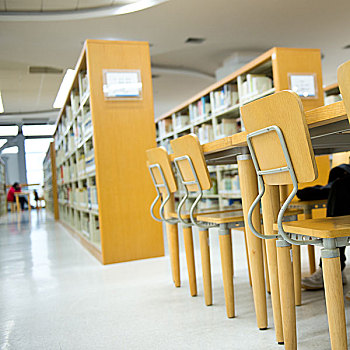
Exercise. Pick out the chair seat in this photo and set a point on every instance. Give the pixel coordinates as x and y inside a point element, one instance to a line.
<point>222,218</point>
<point>186,215</point>
<point>333,227</point>
<point>235,216</point>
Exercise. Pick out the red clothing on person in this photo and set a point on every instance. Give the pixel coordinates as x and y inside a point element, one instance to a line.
<point>11,194</point>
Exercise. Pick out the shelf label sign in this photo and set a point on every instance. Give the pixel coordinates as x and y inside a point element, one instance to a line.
<point>303,84</point>
<point>122,84</point>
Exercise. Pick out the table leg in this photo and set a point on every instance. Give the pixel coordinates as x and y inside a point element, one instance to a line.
<point>249,191</point>
<point>334,298</point>
<point>29,206</point>
<point>18,205</point>
<point>270,209</point>
<point>310,248</point>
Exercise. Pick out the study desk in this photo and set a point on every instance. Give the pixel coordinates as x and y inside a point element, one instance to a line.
<point>330,133</point>
<point>17,195</point>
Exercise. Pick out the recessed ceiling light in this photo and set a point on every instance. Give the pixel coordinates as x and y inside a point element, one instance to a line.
<point>346,47</point>
<point>64,88</point>
<point>191,40</point>
<point>44,70</point>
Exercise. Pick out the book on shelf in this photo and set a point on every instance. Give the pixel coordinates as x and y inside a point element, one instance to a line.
<point>254,85</point>
<point>225,97</point>
<point>200,109</point>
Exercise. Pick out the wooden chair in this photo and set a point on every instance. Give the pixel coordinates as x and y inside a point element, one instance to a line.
<point>191,166</point>
<point>276,126</point>
<point>165,183</point>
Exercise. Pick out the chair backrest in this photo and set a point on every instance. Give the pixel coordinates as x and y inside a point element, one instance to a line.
<point>159,156</point>
<point>285,110</point>
<point>189,146</point>
<point>343,74</point>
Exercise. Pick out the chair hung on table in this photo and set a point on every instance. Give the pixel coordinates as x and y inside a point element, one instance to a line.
<point>276,126</point>
<point>165,184</point>
<point>190,164</point>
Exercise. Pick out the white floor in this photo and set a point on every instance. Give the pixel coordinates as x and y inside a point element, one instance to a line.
<point>55,295</point>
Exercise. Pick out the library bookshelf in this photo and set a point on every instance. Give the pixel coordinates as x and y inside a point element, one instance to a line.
<point>332,94</point>
<point>104,188</point>
<point>215,112</point>
<point>50,181</point>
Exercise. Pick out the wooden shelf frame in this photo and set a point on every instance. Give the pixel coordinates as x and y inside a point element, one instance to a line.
<point>120,133</point>
<point>277,63</point>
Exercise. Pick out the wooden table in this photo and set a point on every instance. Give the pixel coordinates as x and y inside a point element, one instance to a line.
<point>328,126</point>
<point>17,195</point>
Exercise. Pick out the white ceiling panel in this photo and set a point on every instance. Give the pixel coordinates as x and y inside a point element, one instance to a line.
<point>53,5</point>
<point>23,5</point>
<point>228,27</point>
<point>93,3</point>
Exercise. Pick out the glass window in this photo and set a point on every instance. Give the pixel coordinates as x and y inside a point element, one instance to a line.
<point>8,130</point>
<point>35,153</point>
<point>38,130</point>
<point>10,150</point>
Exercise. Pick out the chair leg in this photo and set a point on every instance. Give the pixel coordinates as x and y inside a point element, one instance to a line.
<point>334,298</point>
<point>270,209</point>
<point>173,243</point>
<point>206,270</point>
<point>247,255</point>
<point>191,267</point>
<point>285,274</point>
<point>311,253</point>
<point>266,267</point>
<point>225,240</point>
<point>297,274</point>
<point>310,248</point>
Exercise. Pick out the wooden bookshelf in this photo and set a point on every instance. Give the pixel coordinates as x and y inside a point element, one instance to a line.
<point>50,181</point>
<point>214,112</point>
<point>332,94</point>
<point>104,188</point>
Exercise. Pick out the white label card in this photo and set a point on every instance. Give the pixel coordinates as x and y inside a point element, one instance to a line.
<point>304,85</point>
<point>122,84</point>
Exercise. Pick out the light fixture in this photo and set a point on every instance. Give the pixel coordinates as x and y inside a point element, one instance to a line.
<point>64,88</point>
<point>78,14</point>
<point>1,105</point>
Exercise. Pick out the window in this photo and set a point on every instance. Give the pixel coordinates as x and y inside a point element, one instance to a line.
<point>35,153</point>
<point>10,150</point>
<point>38,130</point>
<point>8,130</point>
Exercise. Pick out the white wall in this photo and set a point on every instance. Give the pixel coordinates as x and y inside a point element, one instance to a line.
<point>12,171</point>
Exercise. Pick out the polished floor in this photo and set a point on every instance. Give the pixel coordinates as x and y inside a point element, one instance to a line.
<point>55,295</point>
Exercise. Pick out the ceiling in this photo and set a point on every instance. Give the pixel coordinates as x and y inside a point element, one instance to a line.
<point>229,26</point>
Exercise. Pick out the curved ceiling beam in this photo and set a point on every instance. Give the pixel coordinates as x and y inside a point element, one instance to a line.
<point>68,15</point>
